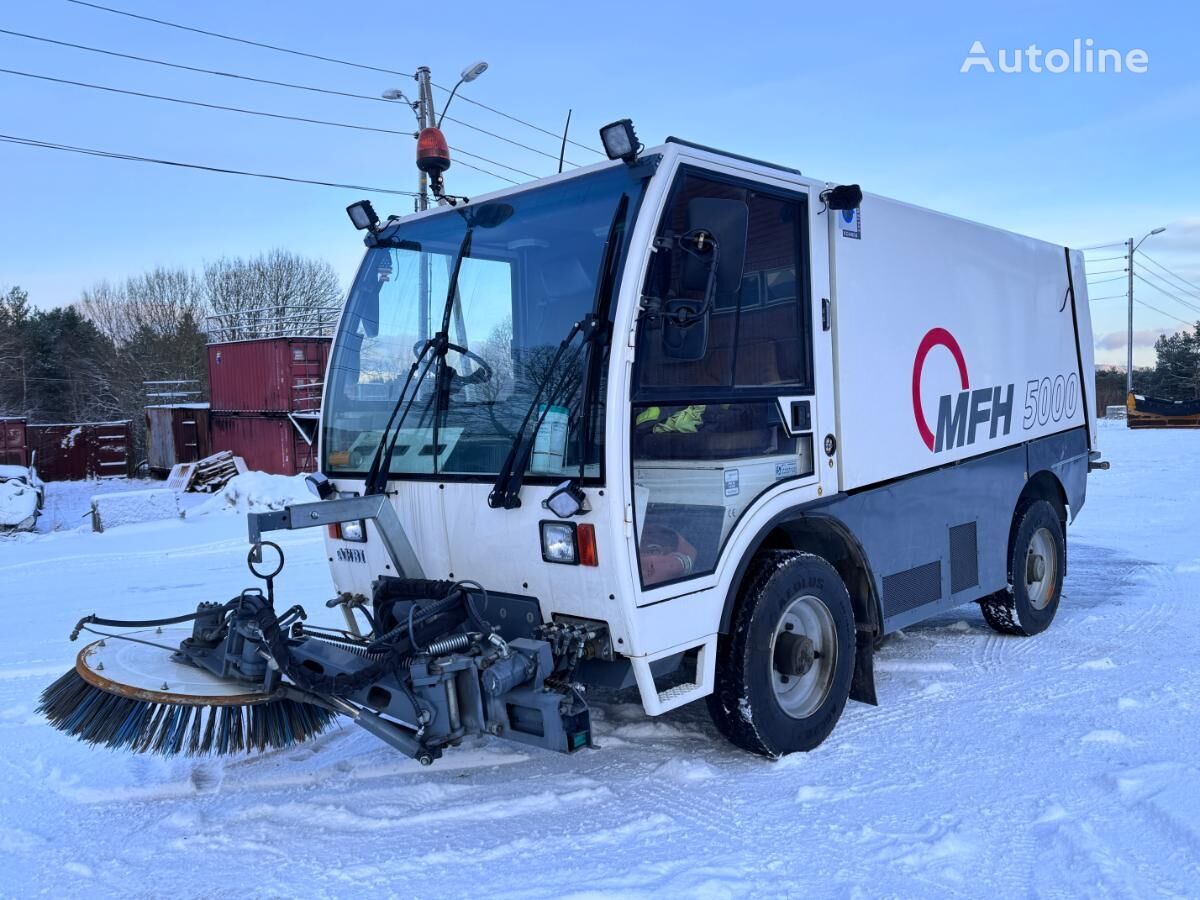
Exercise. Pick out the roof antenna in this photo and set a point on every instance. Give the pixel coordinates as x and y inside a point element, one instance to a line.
<point>563,151</point>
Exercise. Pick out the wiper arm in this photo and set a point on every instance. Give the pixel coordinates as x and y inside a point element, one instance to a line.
<point>442,344</point>
<point>437,344</point>
<point>381,464</point>
<point>505,493</point>
<point>601,304</point>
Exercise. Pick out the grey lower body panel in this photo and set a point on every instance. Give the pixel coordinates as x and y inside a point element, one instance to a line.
<point>940,539</point>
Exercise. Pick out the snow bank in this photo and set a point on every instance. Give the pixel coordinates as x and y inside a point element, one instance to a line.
<point>256,492</point>
<point>18,502</point>
<point>132,507</point>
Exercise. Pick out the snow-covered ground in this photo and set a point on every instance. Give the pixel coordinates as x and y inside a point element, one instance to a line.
<point>1062,765</point>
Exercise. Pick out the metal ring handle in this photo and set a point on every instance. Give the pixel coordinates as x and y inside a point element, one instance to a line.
<point>257,548</point>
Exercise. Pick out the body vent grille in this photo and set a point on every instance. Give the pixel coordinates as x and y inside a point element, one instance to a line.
<point>964,558</point>
<point>912,588</point>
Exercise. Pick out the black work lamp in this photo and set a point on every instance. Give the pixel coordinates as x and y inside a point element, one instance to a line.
<point>362,214</point>
<point>620,141</point>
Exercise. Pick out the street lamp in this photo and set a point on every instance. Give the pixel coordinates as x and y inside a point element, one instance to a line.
<point>1129,348</point>
<point>397,94</point>
<point>470,73</point>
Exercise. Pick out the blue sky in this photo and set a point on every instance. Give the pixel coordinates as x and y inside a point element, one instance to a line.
<point>858,92</point>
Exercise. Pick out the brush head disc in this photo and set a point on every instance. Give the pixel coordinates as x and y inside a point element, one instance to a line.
<point>136,697</point>
<point>140,671</point>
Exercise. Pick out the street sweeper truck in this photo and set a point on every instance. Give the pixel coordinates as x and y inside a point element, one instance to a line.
<point>680,421</point>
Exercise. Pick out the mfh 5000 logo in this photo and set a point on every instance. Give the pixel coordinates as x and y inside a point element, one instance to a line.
<point>971,414</point>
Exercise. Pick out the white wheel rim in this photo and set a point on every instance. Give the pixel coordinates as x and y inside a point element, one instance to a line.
<point>1041,569</point>
<point>801,695</point>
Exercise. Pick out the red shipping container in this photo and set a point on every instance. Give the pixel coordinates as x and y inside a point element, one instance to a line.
<point>12,443</point>
<point>73,452</point>
<point>267,443</point>
<point>176,433</point>
<point>271,375</point>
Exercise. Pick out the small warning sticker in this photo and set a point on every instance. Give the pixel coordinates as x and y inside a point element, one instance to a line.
<point>733,484</point>
<point>851,223</point>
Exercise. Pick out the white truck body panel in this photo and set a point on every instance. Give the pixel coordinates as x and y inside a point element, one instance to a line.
<point>1000,297</point>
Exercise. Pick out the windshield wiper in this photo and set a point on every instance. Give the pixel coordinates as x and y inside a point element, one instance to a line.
<point>437,345</point>
<point>506,492</point>
<point>441,390</point>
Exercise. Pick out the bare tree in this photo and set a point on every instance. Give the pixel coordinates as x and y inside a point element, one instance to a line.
<point>155,302</point>
<point>272,294</point>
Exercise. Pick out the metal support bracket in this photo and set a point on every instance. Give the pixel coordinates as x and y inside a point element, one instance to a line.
<point>376,507</point>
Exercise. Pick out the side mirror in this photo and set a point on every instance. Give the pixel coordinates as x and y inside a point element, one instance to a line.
<point>727,222</point>
<point>368,300</point>
<point>714,258</point>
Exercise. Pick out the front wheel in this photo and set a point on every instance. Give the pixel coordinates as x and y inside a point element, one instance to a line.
<point>1035,574</point>
<point>784,671</point>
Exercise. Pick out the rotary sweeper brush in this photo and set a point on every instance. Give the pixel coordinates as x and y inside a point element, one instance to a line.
<point>431,668</point>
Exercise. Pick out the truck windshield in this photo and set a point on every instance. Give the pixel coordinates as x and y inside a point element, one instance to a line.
<point>529,270</point>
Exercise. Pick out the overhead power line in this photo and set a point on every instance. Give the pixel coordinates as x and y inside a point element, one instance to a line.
<point>1158,279</point>
<point>500,112</point>
<point>1109,297</point>
<point>108,154</point>
<point>284,84</point>
<point>202,71</point>
<point>1163,313</point>
<point>1190,284</point>
<point>239,40</point>
<point>263,113</point>
<point>1165,293</point>
<point>1101,246</point>
<point>317,56</point>
<point>553,156</point>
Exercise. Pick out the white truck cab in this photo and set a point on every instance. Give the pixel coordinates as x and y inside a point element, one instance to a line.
<point>738,422</point>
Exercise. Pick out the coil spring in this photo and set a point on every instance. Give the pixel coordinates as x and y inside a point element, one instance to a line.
<point>448,644</point>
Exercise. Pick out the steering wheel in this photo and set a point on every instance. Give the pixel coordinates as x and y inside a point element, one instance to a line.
<point>482,374</point>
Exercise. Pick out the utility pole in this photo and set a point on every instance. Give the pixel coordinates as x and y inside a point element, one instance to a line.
<point>1129,347</point>
<point>1132,248</point>
<point>426,118</point>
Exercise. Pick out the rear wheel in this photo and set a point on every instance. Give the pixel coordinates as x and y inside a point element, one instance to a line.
<point>784,671</point>
<point>1036,571</point>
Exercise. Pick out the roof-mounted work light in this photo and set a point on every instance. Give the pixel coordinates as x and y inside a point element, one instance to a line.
<point>362,214</point>
<point>620,141</point>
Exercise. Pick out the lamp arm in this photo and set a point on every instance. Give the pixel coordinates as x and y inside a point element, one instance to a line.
<point>448,99</point>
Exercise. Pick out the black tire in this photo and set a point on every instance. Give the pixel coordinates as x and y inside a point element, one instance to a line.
<point>1029,605</point>
<point>745,705</point>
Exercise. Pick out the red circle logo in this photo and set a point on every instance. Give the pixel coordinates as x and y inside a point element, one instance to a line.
<point>933,338</point>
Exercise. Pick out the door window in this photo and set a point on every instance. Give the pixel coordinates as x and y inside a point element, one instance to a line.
<point>709,437</point>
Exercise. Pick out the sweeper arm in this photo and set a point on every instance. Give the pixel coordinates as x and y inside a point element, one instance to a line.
<point>376,507</point>
<point>433,670</point>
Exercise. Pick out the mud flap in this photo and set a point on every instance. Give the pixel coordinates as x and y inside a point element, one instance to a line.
<point>862,684</point>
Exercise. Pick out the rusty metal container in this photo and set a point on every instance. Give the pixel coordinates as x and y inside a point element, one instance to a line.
<point>176,433</point>
<point>12,443</point>
<point>75,451</point>
<point>269,375</point>
<point>267,443</point>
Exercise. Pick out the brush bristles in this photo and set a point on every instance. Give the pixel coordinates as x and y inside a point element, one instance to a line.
<point>98,717</point>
